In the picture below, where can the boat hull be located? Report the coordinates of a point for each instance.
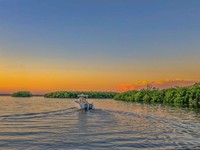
(81, 105)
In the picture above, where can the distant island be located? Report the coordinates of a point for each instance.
(22, 94)
(178, 95)
(70, 94)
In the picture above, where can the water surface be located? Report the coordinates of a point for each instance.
(40, 123)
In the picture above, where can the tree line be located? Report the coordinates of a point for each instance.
(178, 95)
(74, 94)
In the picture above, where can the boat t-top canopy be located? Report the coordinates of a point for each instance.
(82, 96)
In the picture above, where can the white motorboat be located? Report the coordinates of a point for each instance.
(82, 102)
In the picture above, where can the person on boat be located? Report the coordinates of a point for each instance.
(83, 98)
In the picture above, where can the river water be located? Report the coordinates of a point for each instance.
(39, 123)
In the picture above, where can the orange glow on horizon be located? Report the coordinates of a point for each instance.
(159, 84)
(59, 81)
(47, 77)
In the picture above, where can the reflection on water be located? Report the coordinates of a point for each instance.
(39, 123)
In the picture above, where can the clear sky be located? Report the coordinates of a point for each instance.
(48, 45)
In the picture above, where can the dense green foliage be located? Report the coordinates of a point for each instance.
(179, 95)
(22, 94)
(67, 94)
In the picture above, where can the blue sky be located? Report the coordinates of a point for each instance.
(134, 26)
(126, 35)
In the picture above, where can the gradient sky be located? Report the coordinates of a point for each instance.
(48, 45)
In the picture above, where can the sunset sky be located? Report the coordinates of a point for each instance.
(98, 45)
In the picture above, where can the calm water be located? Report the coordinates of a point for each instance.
(39, 123)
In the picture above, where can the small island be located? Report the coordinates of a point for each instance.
(22, 94)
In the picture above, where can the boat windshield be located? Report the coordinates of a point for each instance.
(82, 98)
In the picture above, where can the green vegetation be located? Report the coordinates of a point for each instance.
(67, 94)
(22, 94)
(178, 96)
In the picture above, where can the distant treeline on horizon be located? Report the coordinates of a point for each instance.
(5, 94)
(74, 94)
(178, 95)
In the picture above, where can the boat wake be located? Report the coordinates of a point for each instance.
(38, 115)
